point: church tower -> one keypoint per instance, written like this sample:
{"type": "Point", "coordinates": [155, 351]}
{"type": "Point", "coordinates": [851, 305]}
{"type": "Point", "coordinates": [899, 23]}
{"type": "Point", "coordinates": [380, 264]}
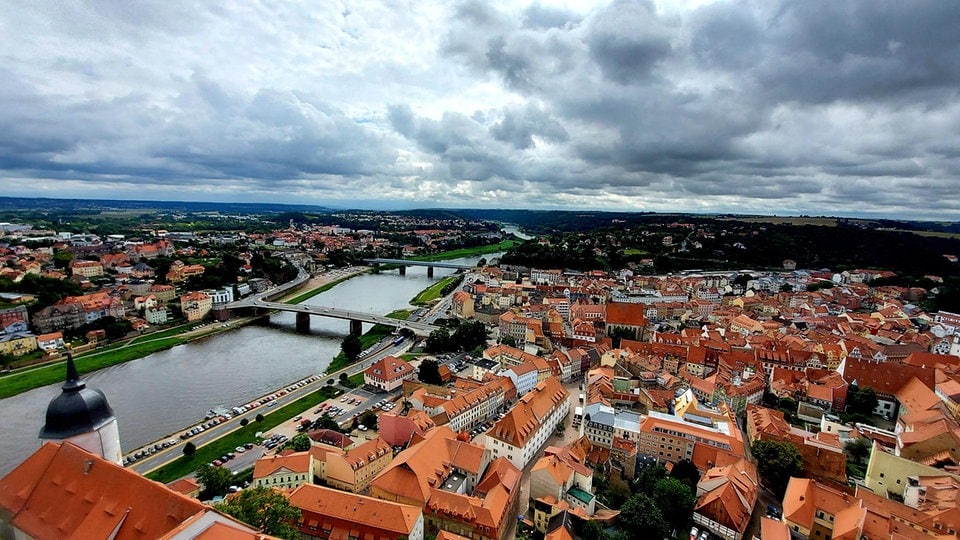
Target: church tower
{"type": "Point", "coordinates": [83, 417]}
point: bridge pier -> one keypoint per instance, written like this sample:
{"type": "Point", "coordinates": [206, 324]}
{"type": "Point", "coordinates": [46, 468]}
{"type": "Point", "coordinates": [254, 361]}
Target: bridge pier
{"type": "Point", "coordinates": [356, 327]}
{"type": "Point", "coordinates": [429, 271]}
{"type": "Point", "coordinates": [403, 270]}
{"type": "Point", "coordinates": [303, 322]}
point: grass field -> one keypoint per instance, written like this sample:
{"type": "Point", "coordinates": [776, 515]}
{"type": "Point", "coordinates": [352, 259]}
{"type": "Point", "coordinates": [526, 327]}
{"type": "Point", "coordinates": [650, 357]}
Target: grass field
{"type": "Point", "coordinates": [368, 338]}
{"type": "Point", "coordinates": [433, 291]}
{"type": "Point", "coordinates": [467, 252]}
{"type": "Point", "coordinates": [16, 383]}
{"type": "Point", "coordinates": [313, 292]}
{"type": "Point", "coordinates": [634, 251]}
{"type": "Point", "coordinates": [185, 465]}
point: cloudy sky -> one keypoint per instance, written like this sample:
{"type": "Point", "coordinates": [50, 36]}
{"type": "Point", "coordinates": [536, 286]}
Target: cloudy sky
{"type": "Point", "coordinates": [765, 106]}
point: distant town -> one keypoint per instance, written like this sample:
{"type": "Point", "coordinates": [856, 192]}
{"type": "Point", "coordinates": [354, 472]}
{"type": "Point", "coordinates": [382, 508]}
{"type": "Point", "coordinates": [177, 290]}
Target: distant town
{"type": "Point", "coordinates": [583, 375]}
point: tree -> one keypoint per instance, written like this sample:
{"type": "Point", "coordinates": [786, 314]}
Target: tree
{"type": "Point", "coordinates": [644, 518]}
{"type": "Point", "coordinates": [861, 400]}
{"type": "Point", "coordinates": [325, 422]}
{"type": "Point", "coordinates": [264, 508]}
{"type": "Point", "coordinates": [244, 421]}
{"type": "Point", "coordinates": [675, 500]}
{"type": "Point", "coordinates": [615, 493]}
{"type": "Point", "coordinates": [369, 419]}
{"type": "Point", "coordinates": [509, 341]}
{"type": "Point", "coordinates": [259, 417]}
{"type": "Point", "coordinates": [469, 336]}
{"type": "Point", "coordinates": [647, 477]}
{"type": "Point", "coordinates": [686, 471]}
{"type": "Point", "coordinates": [351, 347]}
{"type": "Point", "coordinates": [429, 372]}
{"type": "Point", "coordinates": [776, 462]}
{"type": "Point", "coordinates": [438, 341]}
{"type": "Point", "coordinates": [858, 449]}
{"type": "Point", "coordinates": [189, 449]}
{"type": "Point", "coordinates": [300, 443]}
{"type": "Point", "coordinates": [215, 480]}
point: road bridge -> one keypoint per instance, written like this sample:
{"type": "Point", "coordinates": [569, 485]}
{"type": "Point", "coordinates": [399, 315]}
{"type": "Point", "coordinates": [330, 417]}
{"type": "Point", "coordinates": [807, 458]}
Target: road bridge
{"type": "Point", "coordinates": [356, 318]}
{"type": "Point", "coordinates": [430, 265]}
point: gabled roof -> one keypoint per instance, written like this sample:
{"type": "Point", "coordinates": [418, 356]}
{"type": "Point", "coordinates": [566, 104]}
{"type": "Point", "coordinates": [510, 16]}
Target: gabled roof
{"type": "Point", "coordinates": [298, 462]}
{"type": "Point", "coordinates": [523, 420]}
{"type": "Point", "coordinates": [349, 509]}
{"type": "Point", "coordinates": [63, 491]}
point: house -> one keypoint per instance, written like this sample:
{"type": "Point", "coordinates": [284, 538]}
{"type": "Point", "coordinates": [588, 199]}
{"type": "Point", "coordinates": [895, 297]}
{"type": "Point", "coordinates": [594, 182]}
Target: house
{"type": "Point", "coordinates": [626, 316]}
{"type": "Point", "coordinates": [283, 471]}
{"type": "Point", "coordinates": [822, 452]}
{"type": "Point", "coordinates": [388, 373]}
{"type": "Point", "coordinates": [669, 439]}
{"type": "Point", "coordinates": [813, 510]}
{"type": "Point", "coordinates": [563, 474]}
{"type": "Point", "coordinates": [330, 513]}
{"type": "Point", "coordinates": [195, 305]}
{"type": "Point", "coordinates": [87, 269]}
{"type": "Point", "coordinates": [64, 491]}
{"type": "Point", "coordinates": [525, 427]}
{"type": "Point", "coordinates": [18, 343]}
{"type": "Point", "coordinates": [354, 469]}
{"type": "Point", "coordinates": [726, 495]}
{"type": "Point", "coordinates": [51, 341]}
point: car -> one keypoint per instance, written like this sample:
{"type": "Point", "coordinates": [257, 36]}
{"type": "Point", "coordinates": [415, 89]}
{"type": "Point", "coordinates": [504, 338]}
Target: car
{"type": "Point", "coordinates": [248, 445]}
{"type": "Point", "coordinates": [704, 534]}
{"type": "Point", "coordinates": [217, 463]}
{"type": "Point", "coordinates": [240, 449]}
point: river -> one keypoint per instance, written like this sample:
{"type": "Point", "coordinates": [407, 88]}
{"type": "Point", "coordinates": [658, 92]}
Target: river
{"type": "Point", "coordinates": [166, 391]}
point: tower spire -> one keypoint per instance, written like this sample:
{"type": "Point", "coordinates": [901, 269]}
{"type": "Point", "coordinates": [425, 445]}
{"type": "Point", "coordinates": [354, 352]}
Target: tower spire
{"type": "Point", "coordinates": [74, 382]}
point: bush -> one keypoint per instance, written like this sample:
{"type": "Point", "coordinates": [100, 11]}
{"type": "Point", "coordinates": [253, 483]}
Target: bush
{"type": "Point", "coordinates": [189, 449]}
{"type": "Point", "coordinates": [259, 417]}
{"type": "Point", "coordinates": [244, 421]}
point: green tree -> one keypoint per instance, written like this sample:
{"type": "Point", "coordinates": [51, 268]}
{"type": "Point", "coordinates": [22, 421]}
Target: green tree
{"type": "Point", "coordinates": [62, 259]}
{"type": "Point", "coordinates": [215, 480]}
{"type": "Point", "coordinates": [469, 336]}
{"type": "Point", "coordinates": [438, 341]}
{"type": "Point", "coordinates": [647, 477]}
{"type": "Point", "coordinates": [685, 470]}
{"type": "Point", "coordinates": [861, 400]}
{"type": "Point", "coordinates": [351, 347]}
{"type": "Point", "coordinates": [300, 443]}
{"type": "Point", "coordinates": [858, 449]}
{"type": "Point", "coordinates": [259, 417]}
{"type": "Point", "coordinates": [189, 449]}
{"type": "Point", "coordinates": [643, 517]}
{"type": "Point", "coordinates": [509, 341]}
{"type": "Point", "coordinates": [675, 500]}
{"type": "Point", "coordinates": [429, 372]}
{"type": "Point", "coordinates": [615, 493]}
{"type": "Point", "coordinates": [325, 422]}
{"type": "Point", "coordinates": [265, 509]}
{"type": "Point", "coordinates": [776, 462]}
{"type": "Point", "coordinates": [244, 421]}
{"type": "Point", "coordinates": [369, 419]}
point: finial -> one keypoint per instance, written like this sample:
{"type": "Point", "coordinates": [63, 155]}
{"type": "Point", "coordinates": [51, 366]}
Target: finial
{"type": "Point", "coordinates": [73, 376]}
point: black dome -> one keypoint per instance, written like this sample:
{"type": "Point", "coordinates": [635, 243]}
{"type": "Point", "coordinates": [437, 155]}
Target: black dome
{"type": "Point", "coordinates": [77, 409]}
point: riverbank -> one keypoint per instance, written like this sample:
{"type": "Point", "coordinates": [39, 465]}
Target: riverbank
{"type": "Point", "coordinates": [434, 291]}
{"type": "Point", "coordinates": [368, 339]}
{"type": "Point", "coordinates": [319, 284]}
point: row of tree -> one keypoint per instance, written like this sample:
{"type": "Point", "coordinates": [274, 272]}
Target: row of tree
{"type": "Point", "coordinates": [467, 336]}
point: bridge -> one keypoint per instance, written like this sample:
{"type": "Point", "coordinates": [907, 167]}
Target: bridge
{"type": "Point", "coordinates": [404, 263]}
{"type": "Point", "coordinates": [356, 318]}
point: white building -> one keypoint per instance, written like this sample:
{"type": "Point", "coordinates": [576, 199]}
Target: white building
{"type": "Point", "coordinates": [525, 428]}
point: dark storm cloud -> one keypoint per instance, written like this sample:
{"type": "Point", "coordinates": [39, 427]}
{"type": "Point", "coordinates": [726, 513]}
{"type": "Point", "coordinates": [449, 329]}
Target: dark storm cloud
{"type": "Point", "coordinates": [697, 100]}
{"type": "Point", "coordinates": [810, 105]}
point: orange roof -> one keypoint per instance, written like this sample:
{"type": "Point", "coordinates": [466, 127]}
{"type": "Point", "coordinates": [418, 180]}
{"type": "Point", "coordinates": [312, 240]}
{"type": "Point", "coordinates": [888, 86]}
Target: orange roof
{"type": "Point", "coordinates": [63, 491]}
{"type": "Point", "coordinates": [735, 487]}
{"type": "Point", "coordinates": [429, 462]}
{"type": "Point", "coordinates": [523, 420]}
{"type": "Point", "coordinates": [341, 509]}
{"type": "Point", "coordinates": [771, 529]}
{"type": "Point", "coordinates": [298, 462]}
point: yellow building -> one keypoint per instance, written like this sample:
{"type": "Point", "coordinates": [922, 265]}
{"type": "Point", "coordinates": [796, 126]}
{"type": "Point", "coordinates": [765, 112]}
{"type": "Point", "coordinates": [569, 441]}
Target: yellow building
{"type": "Point", "coordinates": [17, 344]}
{"type": "Point", "coordinates": [195, 305]}
{"type": "Point", "coordinates": [355, 469]}
{"type": "Point", "coordinates": [283, 471]}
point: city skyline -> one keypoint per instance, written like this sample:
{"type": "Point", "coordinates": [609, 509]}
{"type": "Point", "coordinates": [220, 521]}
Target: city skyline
{"type": "Point", "coordinates": [732, 107]}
